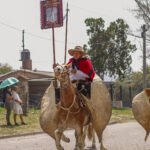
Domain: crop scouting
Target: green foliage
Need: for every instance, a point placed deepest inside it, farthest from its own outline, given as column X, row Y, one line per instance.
column 97, row 42
column 133, row 82
column 136, row 79
column 143, row 10
column 4, row 68
column 110, row 50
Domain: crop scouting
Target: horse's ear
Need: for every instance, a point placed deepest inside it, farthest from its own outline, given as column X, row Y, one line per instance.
column 55, row 65
column 65, row 66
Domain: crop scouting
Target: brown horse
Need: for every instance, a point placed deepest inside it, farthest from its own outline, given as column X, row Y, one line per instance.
column 70, row 113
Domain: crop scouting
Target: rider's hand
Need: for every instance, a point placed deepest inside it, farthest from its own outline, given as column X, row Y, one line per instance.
column 69, row 65
column 73, row 71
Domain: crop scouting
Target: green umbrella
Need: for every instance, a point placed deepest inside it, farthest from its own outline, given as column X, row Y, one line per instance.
column 8, row 82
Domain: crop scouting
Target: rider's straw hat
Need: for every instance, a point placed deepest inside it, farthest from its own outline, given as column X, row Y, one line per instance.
column 76, row 49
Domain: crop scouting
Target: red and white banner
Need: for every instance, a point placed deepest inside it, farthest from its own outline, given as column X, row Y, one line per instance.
column 51, row 14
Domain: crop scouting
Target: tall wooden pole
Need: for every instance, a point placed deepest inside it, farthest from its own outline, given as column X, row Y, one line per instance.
column 144, row 55
column 66, row 34
column 23, row 39
column 53, row 37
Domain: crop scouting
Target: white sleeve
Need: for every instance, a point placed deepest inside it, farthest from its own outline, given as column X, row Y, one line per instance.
column 15, row 96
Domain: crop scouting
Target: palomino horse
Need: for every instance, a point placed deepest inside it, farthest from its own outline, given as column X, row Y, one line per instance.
column 141, row 110
column 69, row 113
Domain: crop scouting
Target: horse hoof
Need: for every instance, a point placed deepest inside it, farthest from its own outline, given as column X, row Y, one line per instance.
column 76, row 148
column 94, row 147
column 60, row 148
column 103, row 148
column 67, row 140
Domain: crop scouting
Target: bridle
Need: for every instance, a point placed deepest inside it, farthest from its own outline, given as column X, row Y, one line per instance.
column 68, row 109
column 61, row 74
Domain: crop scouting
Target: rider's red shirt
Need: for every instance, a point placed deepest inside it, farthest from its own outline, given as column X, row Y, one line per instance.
column 85, row 65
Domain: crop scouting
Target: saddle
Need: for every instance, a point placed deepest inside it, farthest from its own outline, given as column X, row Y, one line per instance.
column 82, row 86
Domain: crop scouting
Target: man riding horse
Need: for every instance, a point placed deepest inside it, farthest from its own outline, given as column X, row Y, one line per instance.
column 81, row 71
column 74, row 110
column 80, row 64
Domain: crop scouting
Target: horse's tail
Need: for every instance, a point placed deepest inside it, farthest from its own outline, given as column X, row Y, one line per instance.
column 90, row 131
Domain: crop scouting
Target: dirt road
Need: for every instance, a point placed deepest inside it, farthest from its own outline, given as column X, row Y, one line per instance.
column 127, row 136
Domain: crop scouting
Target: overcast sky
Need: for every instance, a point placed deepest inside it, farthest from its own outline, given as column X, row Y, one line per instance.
column 25, row 14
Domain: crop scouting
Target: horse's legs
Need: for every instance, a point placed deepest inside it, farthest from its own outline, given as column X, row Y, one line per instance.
column 64, row 138
column 100, row 138
column 76, row 138
column 84, row 135
column 58, row 136
column 101, row 142
column 83, row 139
column 79, row 138
column 94, row 141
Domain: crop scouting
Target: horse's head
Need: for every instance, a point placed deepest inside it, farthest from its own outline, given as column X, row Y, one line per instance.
column 62, row 74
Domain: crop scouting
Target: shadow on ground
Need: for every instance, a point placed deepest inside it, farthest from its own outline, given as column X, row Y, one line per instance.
column 90, row 148
column 5, row 126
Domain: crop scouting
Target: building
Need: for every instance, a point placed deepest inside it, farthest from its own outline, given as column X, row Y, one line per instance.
column 32, row 85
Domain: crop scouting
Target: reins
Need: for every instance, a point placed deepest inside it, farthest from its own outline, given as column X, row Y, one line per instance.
column 69, row 109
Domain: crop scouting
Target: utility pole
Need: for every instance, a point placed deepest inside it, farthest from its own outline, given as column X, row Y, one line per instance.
column 66, row 34
column 53, row 37
column 144, row 55
column 23, row 39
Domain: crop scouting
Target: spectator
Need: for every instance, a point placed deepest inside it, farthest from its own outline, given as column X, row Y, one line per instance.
column 17, row 106
column 8, row 102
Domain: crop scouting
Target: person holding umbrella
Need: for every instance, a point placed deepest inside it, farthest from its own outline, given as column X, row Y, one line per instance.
column 8, row 103
column 7, row 96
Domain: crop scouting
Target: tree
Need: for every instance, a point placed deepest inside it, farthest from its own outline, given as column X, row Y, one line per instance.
column 110, row 50
column 4, row 68
column 143, row 10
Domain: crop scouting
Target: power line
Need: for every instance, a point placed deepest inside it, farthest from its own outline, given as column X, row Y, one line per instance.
column 38, row 36
column 137, row 36
column 58, row 41
column 45, row 38
column 10, row 26
column 32, row 34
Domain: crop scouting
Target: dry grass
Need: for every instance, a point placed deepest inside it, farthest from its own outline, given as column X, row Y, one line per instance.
column 122, row 115
column 32, row 121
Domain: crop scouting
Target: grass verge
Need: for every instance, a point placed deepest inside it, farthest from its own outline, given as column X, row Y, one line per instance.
column 121, row 115
column 32, row 120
